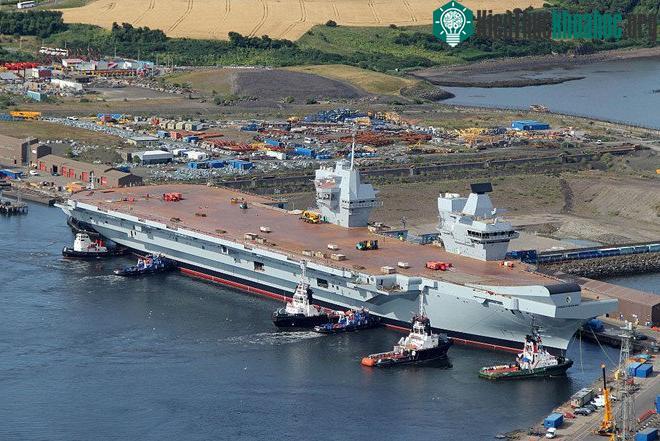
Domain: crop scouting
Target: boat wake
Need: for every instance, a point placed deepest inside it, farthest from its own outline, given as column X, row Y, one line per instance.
column 272, row 338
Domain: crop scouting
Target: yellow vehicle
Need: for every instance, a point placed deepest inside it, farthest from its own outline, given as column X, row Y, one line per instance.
column 311, row 217
column 25, row 114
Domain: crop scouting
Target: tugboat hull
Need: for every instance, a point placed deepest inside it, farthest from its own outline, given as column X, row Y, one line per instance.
column 330, row 328
column 73, row 254
column 288, row 321
column 133, row 271
column 425, row 356
column 551, row 371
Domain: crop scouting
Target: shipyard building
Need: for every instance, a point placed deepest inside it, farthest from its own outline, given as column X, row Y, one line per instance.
column 100, row 175
column 21, row 151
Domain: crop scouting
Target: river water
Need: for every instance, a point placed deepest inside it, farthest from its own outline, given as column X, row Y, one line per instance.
column 88, row 355
column 621, row 91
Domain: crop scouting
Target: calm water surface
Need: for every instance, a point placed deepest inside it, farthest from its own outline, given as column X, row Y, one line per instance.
column 88, row 355
column 620, row 91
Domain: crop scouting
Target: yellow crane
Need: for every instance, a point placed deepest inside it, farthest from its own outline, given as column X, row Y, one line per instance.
column 607, row 427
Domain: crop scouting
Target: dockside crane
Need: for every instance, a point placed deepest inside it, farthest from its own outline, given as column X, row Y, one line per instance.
column 607, row 425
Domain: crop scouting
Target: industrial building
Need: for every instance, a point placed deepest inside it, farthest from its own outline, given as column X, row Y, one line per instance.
column 529, row 124
column 150, row 157
column 21, row 152
column 144, row 140
column 99, row 175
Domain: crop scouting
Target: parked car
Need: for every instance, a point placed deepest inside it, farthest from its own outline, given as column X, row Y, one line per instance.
column 591, row 407
column 34, row 173
column 582, row 411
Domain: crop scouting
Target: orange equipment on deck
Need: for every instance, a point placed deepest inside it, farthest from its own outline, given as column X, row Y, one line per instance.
column 435, row 266
column 172, row 197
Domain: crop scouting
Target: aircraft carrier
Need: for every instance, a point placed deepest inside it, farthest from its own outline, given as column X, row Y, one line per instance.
column 255, row 244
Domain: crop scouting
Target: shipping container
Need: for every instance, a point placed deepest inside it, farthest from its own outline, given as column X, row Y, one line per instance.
column 657, row 404
column 554, row 420
column 304, row 151
column 216, row 163
column 632, row 367
column 643, row 371
column 273, row 142
column 528, row 124
column 582, row 397
column 650, row 434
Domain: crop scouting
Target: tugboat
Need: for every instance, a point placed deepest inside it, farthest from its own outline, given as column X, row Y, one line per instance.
column 147, row 265
column 350, row 321
column 533, row 362
column 86, row 248
column 420, row 346
column 300, row 313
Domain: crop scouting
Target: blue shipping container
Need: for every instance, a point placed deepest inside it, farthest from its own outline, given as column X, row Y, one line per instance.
column 303, row 151
column 644, row 371
column 657, row 404
column 528, row 124
column 553, row 420
column 11, row 174
column 216, row 163
column 649, row 434
column 273, row 142
column 632, row 367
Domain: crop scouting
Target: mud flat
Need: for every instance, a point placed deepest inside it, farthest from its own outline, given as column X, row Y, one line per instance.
column 524, row 71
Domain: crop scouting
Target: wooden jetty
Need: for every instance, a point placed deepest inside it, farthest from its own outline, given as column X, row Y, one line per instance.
column 9, row 207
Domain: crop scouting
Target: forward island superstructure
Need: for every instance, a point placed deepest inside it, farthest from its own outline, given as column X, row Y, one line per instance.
column 259, row 246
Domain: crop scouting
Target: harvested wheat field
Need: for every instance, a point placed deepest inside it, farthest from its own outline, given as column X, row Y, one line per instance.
column 276, row 18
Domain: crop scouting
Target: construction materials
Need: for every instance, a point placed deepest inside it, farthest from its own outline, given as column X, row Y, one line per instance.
column 365, row 245
column 332, row 246
column 265, row 229
column 387, row 269
column 403, row 265
column 337, row 256
column 250, row 236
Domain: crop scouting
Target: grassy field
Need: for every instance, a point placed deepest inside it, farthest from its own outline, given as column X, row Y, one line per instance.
column 45, row 130
column 206, row 81
column 367, row 80
column 276, row 18
column 349, row 40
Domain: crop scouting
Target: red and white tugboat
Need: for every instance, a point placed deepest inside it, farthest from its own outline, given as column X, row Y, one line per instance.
column 420, row 346
column 86, row 248
column 533, row 362
column 300, row 313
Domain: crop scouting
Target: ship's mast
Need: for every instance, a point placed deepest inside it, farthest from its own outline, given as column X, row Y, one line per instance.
column 303, row 267
column 353, row 149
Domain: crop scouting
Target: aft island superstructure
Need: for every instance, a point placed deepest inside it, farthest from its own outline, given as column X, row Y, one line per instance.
column 258, row 246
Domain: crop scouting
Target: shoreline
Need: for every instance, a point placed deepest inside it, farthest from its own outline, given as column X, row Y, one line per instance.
column 497, row 73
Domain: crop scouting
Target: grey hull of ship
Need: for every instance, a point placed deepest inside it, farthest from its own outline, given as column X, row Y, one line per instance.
column 493, row 325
